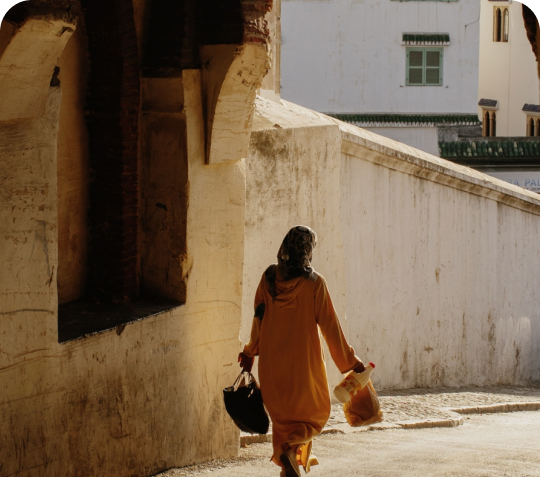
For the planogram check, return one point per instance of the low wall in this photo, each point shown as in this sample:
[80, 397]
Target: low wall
[442, 268]
[441, 262]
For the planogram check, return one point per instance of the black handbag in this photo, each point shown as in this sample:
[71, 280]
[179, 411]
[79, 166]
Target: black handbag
[243, 401]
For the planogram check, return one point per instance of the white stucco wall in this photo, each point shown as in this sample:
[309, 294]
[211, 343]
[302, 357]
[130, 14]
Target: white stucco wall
[508, 71]
[345, 56]
[440, 262]
[426, 138]
[441, 275]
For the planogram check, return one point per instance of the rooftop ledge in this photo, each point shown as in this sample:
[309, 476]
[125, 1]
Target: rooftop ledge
[395, 155]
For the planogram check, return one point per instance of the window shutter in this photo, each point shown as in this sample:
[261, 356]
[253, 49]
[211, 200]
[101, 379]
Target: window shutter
[424, 66]
[415, 67]
[433, 67]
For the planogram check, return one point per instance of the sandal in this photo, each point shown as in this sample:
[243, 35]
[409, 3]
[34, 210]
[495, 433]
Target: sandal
[289, 462]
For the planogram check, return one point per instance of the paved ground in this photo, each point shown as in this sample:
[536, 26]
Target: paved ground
[491, 445]
[414, 406]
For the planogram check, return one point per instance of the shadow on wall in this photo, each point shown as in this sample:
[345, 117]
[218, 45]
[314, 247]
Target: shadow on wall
[122, 223]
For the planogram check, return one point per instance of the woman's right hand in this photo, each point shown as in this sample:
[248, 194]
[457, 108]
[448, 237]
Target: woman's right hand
[246, 362]
[360, 368]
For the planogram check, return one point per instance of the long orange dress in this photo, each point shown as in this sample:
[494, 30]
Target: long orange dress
[292, 370]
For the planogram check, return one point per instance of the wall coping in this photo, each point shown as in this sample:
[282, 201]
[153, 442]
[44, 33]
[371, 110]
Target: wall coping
[381, 150]
[395, 155]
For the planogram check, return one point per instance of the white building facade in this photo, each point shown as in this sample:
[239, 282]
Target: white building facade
[508, 81]
[508, 102]
[382, 60]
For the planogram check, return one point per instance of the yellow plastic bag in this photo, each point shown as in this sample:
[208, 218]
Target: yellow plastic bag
[364, 407]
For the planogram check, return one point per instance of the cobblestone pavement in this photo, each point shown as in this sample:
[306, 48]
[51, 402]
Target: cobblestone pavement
[427, 404]
[423, 404]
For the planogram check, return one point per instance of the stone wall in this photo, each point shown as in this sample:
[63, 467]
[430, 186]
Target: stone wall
[142, 397]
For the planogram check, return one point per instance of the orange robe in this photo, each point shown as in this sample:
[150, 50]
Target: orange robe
[292, 370]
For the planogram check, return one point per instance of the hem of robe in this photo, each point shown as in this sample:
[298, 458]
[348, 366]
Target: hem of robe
[304, 457]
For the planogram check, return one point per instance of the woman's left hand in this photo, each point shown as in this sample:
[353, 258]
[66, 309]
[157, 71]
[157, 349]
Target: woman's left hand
[246, 362]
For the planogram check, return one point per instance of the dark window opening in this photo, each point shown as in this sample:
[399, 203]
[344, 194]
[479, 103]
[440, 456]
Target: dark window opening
[133, 210]
[533, 127]
[489, 124]
[497, 33]
[486, 127]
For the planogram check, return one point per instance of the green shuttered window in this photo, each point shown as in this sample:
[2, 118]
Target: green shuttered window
[424, 66]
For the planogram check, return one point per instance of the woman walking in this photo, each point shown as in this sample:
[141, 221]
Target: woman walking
[292, 309]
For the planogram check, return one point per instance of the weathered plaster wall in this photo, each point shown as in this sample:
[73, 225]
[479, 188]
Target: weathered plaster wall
[132, 404]
[442, 267]
[72, 171]
[129, 403]
[439, 262]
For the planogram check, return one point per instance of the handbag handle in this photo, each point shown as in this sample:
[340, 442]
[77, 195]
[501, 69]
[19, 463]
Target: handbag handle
[248, 378]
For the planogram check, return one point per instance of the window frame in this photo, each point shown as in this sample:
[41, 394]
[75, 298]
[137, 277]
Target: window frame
[535, 119]
[489, 125]
[501, 24]
[424, 49]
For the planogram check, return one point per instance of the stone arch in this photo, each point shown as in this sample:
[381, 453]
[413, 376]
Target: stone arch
[230, 47]
[32, 40]
[532, 28]
[230, 114]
